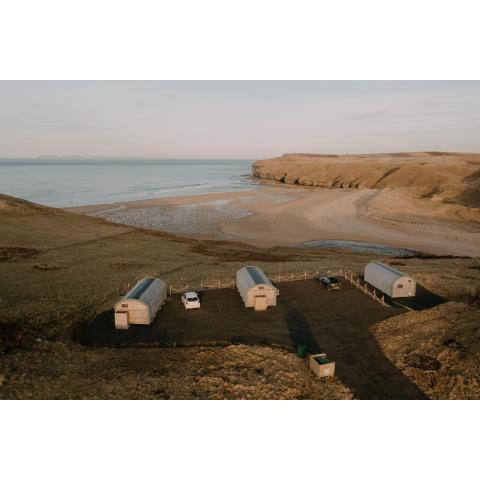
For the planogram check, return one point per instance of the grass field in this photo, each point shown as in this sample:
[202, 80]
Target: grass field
[58, 270]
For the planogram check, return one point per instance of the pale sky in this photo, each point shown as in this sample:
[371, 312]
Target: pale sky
[254, 119]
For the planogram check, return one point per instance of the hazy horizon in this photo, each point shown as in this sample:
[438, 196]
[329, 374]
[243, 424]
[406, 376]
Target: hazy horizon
[238, 120]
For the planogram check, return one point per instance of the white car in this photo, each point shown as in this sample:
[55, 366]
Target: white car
[190, 300]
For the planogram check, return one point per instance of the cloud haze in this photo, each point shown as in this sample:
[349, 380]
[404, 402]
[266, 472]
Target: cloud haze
[168, 119]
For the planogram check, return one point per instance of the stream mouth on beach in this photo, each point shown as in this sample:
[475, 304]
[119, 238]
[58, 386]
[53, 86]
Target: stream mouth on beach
[362, 247]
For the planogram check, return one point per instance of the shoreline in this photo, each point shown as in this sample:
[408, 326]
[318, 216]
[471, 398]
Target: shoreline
[164, 201]
[278, 215]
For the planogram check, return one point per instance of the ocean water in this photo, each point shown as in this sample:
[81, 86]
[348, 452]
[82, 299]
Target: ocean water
[73, 182]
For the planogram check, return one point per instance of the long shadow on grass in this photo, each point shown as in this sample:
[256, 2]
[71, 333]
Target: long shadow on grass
[421, 301]
[359, 361]
[101, 332]
[300, 332]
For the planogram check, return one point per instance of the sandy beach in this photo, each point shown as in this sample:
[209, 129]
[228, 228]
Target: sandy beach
[287, 215]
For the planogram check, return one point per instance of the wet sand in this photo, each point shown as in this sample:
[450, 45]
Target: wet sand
[199, 215]
[275, 215]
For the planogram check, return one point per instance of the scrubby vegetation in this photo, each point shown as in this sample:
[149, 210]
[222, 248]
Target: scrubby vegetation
[58, 269]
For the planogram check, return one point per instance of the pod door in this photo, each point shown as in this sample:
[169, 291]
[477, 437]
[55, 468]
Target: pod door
[260, 302]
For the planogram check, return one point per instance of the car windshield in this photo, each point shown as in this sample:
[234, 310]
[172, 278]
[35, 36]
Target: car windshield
[192, 299]
[333, 280]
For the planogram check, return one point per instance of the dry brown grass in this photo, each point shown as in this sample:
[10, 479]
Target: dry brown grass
[85, 263]
[439, 349]
[59, 370]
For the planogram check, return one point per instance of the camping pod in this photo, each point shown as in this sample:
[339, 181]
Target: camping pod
[255, 288]
[140, 305]
[389, 280]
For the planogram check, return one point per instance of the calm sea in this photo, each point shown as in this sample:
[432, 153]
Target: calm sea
[66, 183]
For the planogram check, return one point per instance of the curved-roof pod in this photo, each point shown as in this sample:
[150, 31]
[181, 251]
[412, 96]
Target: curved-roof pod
[145, 290]
[256, 276]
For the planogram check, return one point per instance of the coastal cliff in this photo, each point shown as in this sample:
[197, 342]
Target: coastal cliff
[437, 175]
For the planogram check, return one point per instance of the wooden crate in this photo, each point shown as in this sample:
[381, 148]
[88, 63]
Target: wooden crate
[324, 369]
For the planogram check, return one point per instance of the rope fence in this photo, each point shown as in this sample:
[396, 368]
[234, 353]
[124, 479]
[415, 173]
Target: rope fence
[202, 286]
[231, 282]
[348, 275]
[76, 304]
[356, 281]
[293, 277]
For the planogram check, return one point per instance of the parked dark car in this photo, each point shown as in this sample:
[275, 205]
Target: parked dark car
[332, 283]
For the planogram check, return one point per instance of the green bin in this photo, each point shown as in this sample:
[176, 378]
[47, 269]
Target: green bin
[301, 351]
